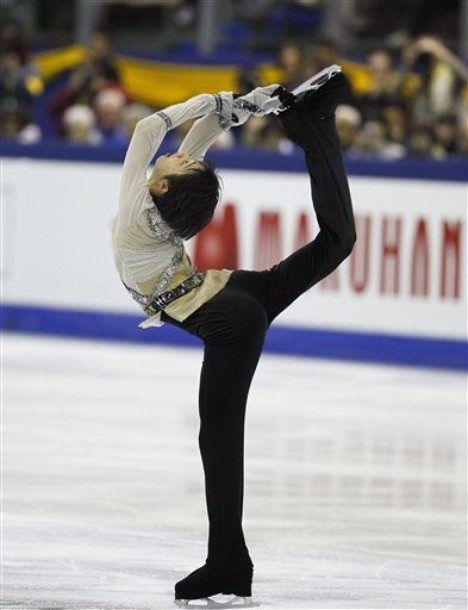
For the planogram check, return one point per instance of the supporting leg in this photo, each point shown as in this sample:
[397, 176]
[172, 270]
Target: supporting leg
[232, 325]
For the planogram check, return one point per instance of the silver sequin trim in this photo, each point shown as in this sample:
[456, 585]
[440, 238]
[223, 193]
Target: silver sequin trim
[224, 121]
[219, 103]
[162, 231]
[160, 228]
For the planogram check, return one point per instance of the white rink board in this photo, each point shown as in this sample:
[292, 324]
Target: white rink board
[57, 252]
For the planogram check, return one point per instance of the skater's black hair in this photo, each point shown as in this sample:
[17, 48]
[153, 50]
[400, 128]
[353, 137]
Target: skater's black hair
[190, 201]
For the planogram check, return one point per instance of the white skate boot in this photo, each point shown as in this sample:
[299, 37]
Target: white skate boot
[217, 602]
[316, 81]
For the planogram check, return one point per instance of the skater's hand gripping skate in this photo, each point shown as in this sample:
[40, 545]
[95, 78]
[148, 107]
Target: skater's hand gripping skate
[259, 102]
[234, 111]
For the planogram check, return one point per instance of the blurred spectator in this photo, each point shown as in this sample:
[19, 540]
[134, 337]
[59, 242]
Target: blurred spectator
[324, 53]
[184, 15]
[247, 79]
[348, 123]
[132, 114]
[439, 107]
[20, 83]
[16, 125]
[97, 72]
[396, 124]
[109, 107]
[11, 38]
[445, 133]
[265, 133]
[291, 59]
[422, 144]
[385, 86]
[79, 125]
[442, 77]
[373, 142]
[100, 68]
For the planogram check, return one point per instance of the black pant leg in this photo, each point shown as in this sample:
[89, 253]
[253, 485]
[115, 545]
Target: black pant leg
[279, 286]
[232, 326]
[333, 207]
[224, 385]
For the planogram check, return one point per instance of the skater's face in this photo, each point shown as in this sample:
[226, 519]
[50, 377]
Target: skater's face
[168, 165]
[177, 163]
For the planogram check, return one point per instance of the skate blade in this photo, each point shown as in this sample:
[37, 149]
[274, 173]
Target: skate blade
[218, 602]
[319, 79]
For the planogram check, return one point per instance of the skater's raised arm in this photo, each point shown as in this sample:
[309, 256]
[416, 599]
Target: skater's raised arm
[202, 136]
[147, 138]
[181, 185]
[208, 129]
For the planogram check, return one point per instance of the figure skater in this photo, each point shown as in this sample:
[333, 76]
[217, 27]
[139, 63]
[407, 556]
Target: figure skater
[230, 311]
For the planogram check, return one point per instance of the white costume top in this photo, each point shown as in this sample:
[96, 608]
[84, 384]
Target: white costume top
[149, 257]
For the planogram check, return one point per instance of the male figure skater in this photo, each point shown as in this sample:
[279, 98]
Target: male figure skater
[230, 311]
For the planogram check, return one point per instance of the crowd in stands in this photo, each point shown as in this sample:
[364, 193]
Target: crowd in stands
[20, 86]
[414, 104]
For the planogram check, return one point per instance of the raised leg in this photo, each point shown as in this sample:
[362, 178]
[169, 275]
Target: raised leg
[311, 124]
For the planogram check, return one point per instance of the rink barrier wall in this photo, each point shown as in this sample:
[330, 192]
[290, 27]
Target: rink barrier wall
[310, 342]
[452, 170]
[341, 320]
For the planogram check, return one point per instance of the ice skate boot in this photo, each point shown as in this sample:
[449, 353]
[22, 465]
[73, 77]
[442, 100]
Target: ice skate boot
[318, 80]
[202, 585]
[289, 98]
[217, 602]
[316, 98]
[312, 107]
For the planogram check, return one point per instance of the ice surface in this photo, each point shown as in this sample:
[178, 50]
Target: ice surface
[355, 480]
